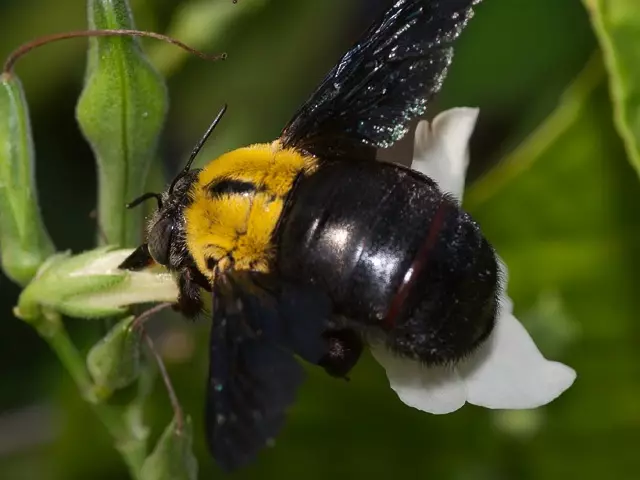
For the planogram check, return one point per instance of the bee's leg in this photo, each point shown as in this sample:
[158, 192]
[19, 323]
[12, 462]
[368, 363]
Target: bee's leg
[345, 347]
[189, 301]
[139, 259]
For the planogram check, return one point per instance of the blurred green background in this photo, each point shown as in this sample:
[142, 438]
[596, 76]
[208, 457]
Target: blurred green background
[559, 202]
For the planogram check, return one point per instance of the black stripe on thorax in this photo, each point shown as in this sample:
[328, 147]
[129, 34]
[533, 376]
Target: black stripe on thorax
[231, 187]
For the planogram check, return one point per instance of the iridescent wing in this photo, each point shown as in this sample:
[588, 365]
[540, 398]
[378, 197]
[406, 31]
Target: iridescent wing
[385, 80]
[258, 326]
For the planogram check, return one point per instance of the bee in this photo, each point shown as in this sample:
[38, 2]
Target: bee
[311, 247]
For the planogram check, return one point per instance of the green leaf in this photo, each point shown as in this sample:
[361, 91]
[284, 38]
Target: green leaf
[617, 26]
[114, 362]
[121, 112]
[173, 458]
[24, 242]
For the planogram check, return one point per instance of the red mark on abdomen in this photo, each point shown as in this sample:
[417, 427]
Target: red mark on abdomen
[417, 266]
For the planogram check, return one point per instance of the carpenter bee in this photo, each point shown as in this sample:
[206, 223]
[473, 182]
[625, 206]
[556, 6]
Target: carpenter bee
[311, 247]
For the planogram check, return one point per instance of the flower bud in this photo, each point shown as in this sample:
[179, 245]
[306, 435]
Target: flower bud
[90, 285]
[114, 362]
[24, 242]
[121, 112]
[173, 458]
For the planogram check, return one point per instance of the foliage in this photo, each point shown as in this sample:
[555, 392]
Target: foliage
[121, 111]
[25, 243]
[617, 25]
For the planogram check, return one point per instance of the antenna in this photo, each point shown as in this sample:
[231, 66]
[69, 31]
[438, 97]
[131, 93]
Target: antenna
[198, 147]
[145, 197]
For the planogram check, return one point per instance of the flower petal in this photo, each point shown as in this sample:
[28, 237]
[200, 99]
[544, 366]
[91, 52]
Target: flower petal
[434, 390]
[441, 149]
[508, 371]
[105, 263]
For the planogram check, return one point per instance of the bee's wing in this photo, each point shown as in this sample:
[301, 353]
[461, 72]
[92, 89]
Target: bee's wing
[253, 375]
[382, 82]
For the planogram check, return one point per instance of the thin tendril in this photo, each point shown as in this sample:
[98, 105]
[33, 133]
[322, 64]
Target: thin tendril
[141, 319]
[138, 325]
[38, 42]
[173, 398]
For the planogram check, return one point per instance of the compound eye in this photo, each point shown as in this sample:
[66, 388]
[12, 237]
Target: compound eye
[160, 241]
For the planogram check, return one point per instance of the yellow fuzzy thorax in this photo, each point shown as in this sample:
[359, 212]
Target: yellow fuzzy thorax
[240, 226]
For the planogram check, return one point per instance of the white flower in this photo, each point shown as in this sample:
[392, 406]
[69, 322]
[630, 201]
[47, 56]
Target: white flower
[507, 371]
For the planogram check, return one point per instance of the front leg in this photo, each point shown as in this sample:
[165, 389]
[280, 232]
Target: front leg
[189, 281]
[189, 301]
[139, 259]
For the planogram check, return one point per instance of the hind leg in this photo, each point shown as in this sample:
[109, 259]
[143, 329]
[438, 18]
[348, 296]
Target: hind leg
[345, 347]
[189, 299]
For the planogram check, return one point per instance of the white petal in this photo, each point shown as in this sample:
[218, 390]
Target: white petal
[508, 371]
[441, 149]
[434, 390]
[105, 264]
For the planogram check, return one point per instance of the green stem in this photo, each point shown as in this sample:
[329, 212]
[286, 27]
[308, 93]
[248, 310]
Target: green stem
[132, 448]
[531, 149]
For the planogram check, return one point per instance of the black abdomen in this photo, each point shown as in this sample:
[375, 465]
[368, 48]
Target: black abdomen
[393, 253]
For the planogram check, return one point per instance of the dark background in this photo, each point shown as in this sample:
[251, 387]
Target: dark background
[561, 210]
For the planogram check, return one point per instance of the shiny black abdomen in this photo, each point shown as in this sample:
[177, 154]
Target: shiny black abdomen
[393, 253]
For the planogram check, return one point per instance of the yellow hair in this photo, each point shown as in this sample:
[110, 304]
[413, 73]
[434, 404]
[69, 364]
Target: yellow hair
[241, 225]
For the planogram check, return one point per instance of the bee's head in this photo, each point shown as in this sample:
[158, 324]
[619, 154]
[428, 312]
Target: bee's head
[166, 227]
[167, 223]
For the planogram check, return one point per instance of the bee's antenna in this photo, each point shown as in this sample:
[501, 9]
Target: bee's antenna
[144, 197]
[198, 147]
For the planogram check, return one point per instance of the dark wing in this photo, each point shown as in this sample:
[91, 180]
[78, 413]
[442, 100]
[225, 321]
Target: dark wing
[382, 82]
[257, 327]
